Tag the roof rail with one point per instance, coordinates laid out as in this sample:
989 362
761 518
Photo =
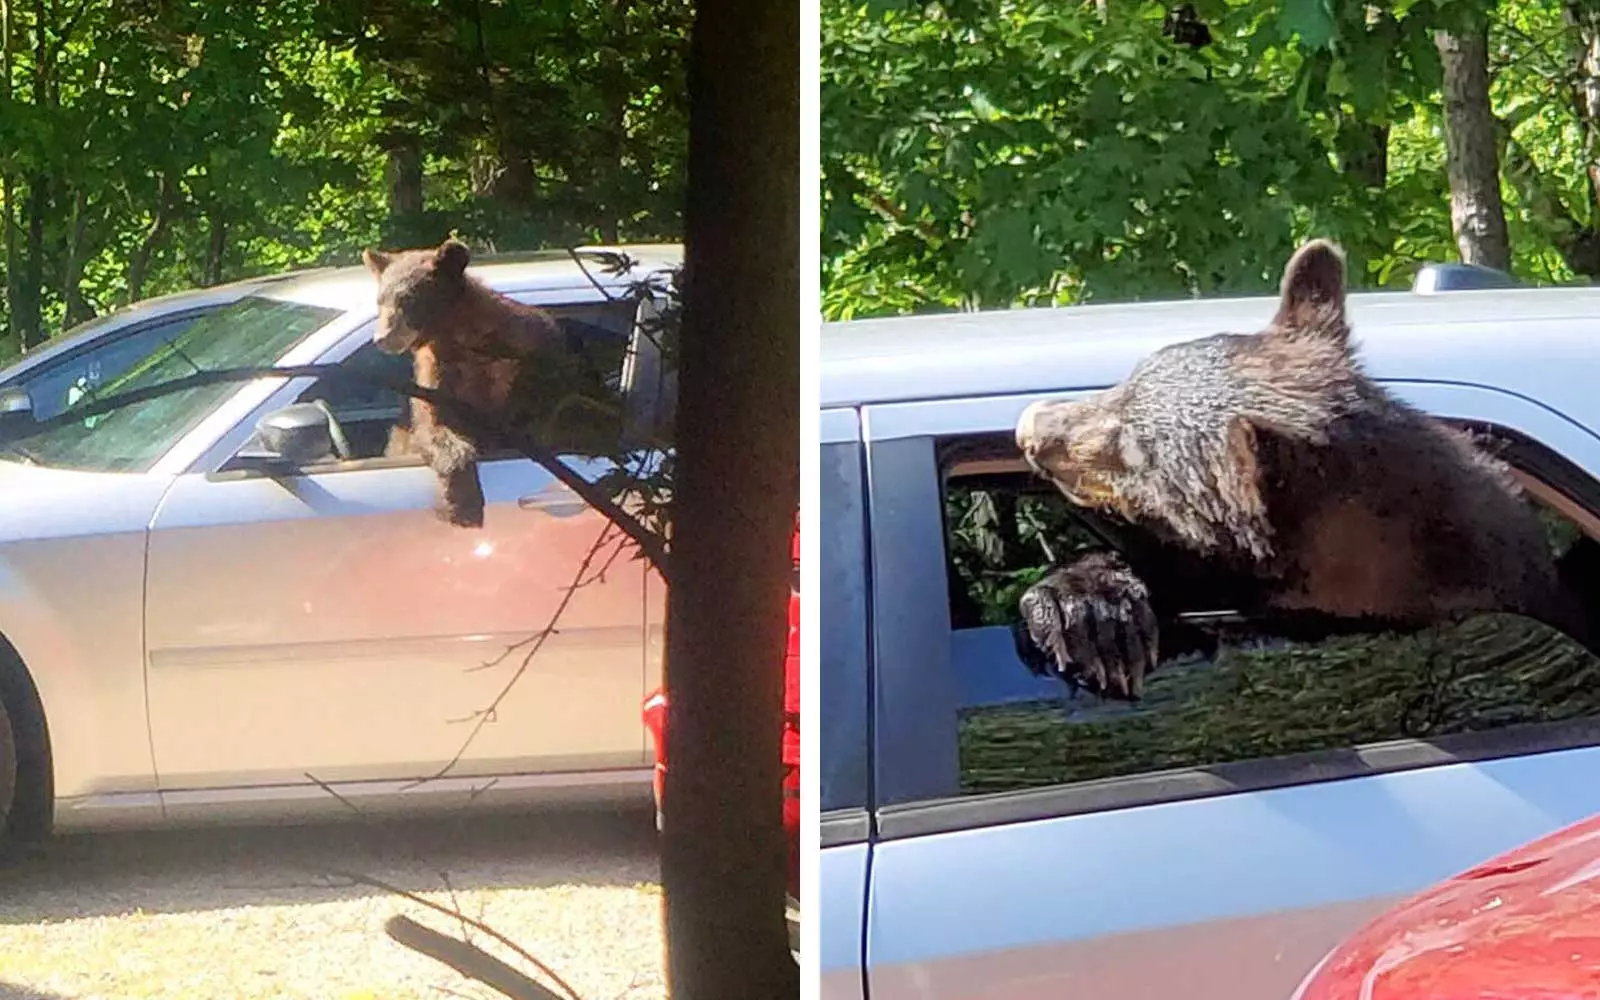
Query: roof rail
1435 278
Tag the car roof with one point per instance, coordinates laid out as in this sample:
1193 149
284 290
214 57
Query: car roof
1516 335
351 288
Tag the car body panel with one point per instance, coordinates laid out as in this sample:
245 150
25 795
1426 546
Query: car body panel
1200 870
842 896
79 608
392 638
1232 894
263 628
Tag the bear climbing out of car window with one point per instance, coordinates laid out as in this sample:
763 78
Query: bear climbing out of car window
467 341
1266 473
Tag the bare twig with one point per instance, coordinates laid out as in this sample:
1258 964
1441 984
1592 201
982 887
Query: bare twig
579 582
467 959
485 715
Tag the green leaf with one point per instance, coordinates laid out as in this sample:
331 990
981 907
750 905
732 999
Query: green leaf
1312 20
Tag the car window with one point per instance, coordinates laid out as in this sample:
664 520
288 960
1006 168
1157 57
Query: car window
597 335
1257 699
253 331
82 374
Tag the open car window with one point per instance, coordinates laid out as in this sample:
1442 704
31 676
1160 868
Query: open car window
1258 698
596 337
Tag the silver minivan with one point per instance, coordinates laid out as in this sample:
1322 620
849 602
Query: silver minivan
985 836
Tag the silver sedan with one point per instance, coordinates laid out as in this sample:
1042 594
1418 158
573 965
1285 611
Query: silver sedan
193 629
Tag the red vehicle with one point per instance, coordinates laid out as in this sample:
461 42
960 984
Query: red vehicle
1523 926
655 715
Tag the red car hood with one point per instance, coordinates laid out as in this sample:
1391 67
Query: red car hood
1524 926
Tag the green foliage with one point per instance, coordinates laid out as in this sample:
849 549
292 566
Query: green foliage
994 153
156 146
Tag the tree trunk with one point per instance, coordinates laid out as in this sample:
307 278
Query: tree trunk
616 92
77 310
512 184
736 492
216 247
139 263
1583 26
403 172
13 262
1471 150
27 307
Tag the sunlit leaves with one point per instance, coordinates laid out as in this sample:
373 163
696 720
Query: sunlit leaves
1011 153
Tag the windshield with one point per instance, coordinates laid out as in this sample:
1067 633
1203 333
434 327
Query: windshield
252 331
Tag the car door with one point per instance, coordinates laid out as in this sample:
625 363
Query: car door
1018 850
841 718
327 623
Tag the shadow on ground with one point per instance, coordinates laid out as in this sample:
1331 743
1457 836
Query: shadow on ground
106 874
10 992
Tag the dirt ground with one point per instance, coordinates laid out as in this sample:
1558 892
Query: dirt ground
259 912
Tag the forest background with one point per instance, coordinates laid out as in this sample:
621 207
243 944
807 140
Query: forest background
152 145
1029 152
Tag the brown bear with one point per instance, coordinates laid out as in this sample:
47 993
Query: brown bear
467 341
1268 473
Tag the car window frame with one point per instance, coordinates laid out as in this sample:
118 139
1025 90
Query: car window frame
914 723
845 650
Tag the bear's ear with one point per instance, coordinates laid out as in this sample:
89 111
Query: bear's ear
452 256
376 260
1312 295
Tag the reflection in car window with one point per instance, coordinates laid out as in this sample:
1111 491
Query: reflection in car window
1257 698
252 331
60 382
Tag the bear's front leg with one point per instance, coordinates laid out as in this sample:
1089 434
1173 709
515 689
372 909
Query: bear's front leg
1092 625
454 460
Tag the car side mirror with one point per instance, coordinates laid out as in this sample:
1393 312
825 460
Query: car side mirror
16 410
296 435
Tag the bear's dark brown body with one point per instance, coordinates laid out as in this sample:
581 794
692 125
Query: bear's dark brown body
467 341
1304 486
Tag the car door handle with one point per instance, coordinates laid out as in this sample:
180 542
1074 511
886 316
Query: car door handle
557 501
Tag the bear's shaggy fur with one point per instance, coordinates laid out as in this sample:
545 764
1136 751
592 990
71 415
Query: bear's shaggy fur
1275 458
467 341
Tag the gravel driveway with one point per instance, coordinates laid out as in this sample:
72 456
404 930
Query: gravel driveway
253 913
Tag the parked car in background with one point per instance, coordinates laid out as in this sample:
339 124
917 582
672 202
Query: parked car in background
194 627
1521 926
982 836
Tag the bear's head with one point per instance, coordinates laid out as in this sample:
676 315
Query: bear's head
417 289
1177 441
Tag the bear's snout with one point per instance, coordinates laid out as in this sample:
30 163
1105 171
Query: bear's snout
393 336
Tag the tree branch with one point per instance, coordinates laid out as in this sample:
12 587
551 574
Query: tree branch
535 643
